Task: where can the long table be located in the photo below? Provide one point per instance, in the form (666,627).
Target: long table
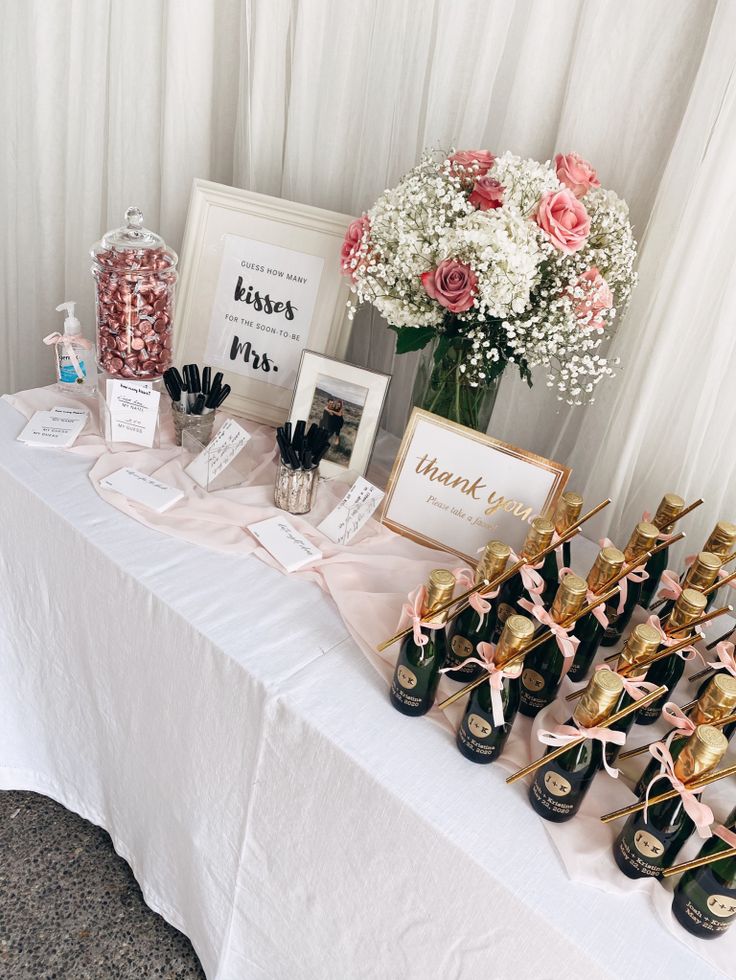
(218,720)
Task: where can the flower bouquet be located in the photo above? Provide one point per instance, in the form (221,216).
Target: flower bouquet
(487,261)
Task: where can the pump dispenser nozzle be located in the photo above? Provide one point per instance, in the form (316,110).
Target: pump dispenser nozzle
(72,325)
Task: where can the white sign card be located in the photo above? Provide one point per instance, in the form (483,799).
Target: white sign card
(219,454)
(132,412)
(58,427)
(456,489)
(351,514)
(262,310)
(282,540)
(142,489)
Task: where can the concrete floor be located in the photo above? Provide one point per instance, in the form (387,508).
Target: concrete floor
(70,908)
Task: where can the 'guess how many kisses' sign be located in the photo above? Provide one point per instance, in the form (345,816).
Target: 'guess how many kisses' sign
(456,489)
(262,310)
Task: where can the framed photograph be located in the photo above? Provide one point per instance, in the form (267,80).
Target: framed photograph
(456,489)
(260,283)
(345,399)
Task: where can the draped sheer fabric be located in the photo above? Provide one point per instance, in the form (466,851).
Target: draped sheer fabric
(105,104)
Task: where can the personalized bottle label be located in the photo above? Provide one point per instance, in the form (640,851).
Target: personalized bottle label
(407,678)
(504,611)
(404,682)
(719,910)
(461,648)
(534,693)
(474,733)
(553,791)
(643,851)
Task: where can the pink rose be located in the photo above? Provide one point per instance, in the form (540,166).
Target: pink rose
(352,243)
(473,163)
(576,173)
(564,219)
(596,298)
(487,194)
(452,284)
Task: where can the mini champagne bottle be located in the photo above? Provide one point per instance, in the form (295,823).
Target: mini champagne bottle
(568,510)
(643,538)
(716,702)
(668,671)
(701,575)
(721,542)
(417,670)
(641,644)
(646,846)
(538,538)
(588,630)
(466,630)
(478,737)
(669,507)
(705,898)
(558,788)
(543,667)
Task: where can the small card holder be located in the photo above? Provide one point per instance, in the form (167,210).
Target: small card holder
(113,439)
(233,475)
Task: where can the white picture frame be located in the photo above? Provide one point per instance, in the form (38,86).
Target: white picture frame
(280,250)
(362,394)
(446,477)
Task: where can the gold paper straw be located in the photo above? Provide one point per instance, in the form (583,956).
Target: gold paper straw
(606,723)
(694,786)
(713,614)
(630,753)
(700,862)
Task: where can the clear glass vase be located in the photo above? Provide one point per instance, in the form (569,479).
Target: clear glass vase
(441,387)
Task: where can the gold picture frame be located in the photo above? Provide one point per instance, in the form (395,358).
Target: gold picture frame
(456,517)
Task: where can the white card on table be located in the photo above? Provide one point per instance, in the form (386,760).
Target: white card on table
(142,488)
(356,507)
(223,449)
(133,408)
(285,543)
(58,427)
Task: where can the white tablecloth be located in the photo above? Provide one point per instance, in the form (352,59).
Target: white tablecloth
(215,717)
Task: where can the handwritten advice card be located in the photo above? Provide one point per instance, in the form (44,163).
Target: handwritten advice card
(263,310)
(456,489)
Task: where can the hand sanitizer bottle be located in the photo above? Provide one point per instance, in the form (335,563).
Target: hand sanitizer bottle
(76,370)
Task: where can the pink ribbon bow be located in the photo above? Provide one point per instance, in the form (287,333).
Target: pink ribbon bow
(638,575)
(465,578)
(647,517)
(531,579)
(672,588)
(700,814)
(668,641)
(726,659)
(411,612)
(496,675)
(563,734)
(567,644)
(636,688)
(67,341)
(598,611)
(679,721)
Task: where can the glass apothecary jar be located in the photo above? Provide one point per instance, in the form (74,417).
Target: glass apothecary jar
(135,275)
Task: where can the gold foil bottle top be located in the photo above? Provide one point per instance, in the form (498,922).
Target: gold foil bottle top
(516,636)
(569,508)
(493,561)
(702,752)
(641,643)
(607,565)
(669,507)
(539,536)
(440,588)
(722,539)
(599,698)
(643,537)
(690,606)
(703,572)
(717,701)
(570,598)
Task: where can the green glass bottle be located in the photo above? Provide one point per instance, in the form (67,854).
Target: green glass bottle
(538,538)
(559,787)
(704,902)
(646,846)
(700,576)
(717,701)
(588,630)
(669,507)
(478,737)
(569,508)
(416,676)
(542,674)
(466,630)
(641,644)
(668,671)
(643,538)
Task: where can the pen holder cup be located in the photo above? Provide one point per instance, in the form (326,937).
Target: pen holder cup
(295,490)
(200,426)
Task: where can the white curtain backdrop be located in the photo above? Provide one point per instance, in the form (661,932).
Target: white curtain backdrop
(108,103)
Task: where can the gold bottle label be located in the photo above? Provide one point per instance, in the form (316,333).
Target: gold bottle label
(556,784)
(504,611)
(647,844)
(479,726)
(461,647)
(406,677)
(531,680)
